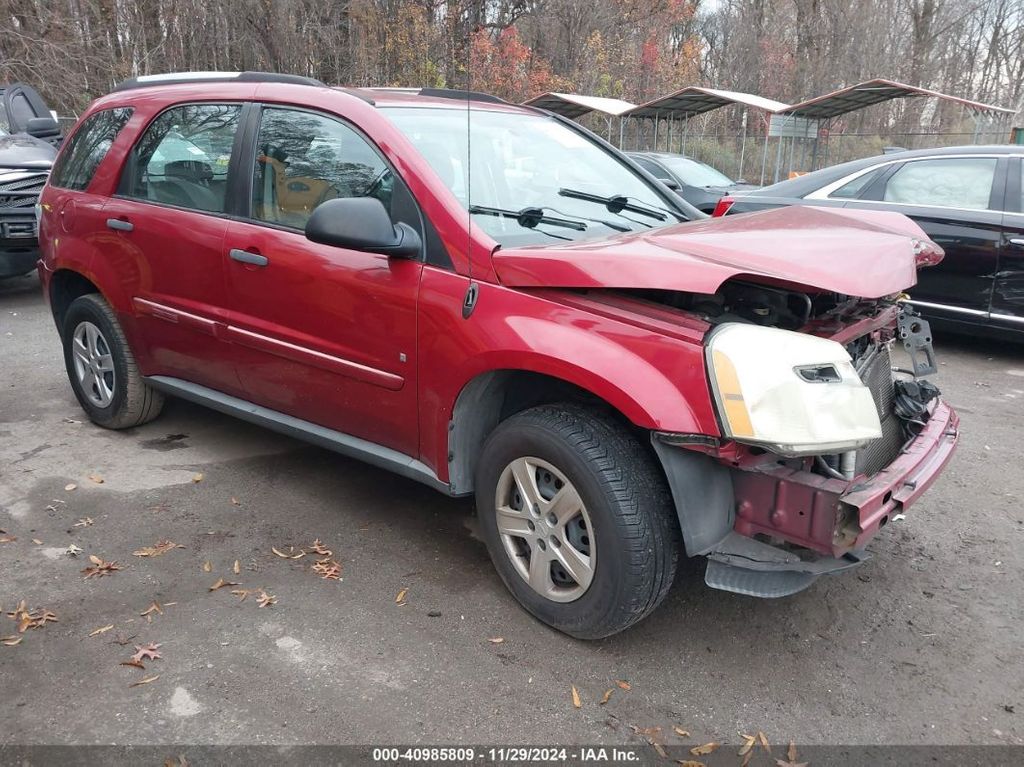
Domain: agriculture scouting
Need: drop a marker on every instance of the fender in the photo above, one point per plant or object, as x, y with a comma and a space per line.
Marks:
656, 381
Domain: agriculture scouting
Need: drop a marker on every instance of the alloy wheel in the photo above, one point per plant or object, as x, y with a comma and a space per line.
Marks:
94, 364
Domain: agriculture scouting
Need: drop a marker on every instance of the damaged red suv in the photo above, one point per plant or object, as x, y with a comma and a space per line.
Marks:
489, 299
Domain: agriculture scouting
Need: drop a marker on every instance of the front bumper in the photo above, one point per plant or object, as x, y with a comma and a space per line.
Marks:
18, 256
793, 525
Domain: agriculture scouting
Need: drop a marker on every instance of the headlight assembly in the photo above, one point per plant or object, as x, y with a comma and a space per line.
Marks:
791, 393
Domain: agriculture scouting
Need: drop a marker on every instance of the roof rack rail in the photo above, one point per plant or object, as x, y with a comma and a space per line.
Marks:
181, 78
461, 95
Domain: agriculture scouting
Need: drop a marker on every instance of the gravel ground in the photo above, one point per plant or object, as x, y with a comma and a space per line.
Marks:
922, 645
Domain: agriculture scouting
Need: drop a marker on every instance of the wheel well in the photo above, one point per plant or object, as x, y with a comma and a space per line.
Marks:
492, 397
65, 287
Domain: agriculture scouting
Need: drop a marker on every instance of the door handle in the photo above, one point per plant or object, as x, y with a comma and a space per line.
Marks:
1018, 241
245, 257
120, 224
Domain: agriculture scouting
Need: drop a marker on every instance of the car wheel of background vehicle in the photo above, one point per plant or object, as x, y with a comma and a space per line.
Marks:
101, 367
577, 518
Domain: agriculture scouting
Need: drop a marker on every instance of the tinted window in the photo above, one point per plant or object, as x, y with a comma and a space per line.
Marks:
653, 168
21, 110
182, 159
696, 173
852, 189
304, 159
964, 182
85, 150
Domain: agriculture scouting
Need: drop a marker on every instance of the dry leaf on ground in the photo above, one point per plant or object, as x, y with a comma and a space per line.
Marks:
221, 583
236, 568
265, 599
764, 741
83, 522
11, 641
607, 696
704, 750
147, 680
7, 539
623, 684
207, 567
748, 744
496, 640
153, 608
101, 630
161, 548
681, 732
149, 652
400, 599
73, 550
318, 548
70, 486
133, 663
291, 553
235, 501
96, 478
242, 594
100, 568
576, 702
197, 478
689, 763
328, 569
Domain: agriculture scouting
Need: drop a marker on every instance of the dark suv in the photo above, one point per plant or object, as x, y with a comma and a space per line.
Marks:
28, 143
540, 327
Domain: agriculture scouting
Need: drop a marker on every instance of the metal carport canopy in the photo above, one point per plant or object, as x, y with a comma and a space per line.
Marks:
694, 100
572, 105
871, 92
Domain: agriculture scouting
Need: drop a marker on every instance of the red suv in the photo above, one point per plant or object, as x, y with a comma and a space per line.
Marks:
491, 300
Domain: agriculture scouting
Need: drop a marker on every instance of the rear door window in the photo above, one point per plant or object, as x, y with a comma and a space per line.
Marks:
86, 149
852, 189
183, 157
954, 182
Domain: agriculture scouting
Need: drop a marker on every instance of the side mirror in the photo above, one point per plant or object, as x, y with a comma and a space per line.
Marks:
362, 223
42, 127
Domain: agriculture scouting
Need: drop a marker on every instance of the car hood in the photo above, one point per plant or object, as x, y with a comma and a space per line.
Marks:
869, 254
21, 149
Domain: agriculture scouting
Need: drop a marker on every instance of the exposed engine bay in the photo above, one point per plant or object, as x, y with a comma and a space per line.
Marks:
900, 394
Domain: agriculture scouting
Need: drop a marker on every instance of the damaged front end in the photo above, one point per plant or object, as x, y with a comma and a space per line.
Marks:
824, 440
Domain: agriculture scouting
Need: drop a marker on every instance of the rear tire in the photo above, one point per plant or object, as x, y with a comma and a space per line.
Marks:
577, 518
101, 368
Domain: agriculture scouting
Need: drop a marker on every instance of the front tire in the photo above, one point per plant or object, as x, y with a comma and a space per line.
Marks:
102, 370
577, 518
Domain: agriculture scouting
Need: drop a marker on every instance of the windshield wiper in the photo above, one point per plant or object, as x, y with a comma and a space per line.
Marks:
617, 203
528, 217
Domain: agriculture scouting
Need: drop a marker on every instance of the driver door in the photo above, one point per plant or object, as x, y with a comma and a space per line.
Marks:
326, 334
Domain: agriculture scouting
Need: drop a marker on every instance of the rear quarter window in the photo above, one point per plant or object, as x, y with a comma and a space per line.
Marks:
86, 149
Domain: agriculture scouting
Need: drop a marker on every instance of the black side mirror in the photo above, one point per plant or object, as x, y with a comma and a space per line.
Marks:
362, 223
42, 127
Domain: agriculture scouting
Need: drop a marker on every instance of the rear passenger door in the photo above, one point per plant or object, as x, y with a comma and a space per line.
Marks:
1008, 293
957, 201
166, 228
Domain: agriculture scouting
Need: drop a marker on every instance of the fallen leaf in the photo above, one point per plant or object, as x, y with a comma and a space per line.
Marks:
623, 684
237, 568
328, 569
8, 539
96, 478
791, 753
18, 610
320, 549
70, 486
153, 608
235, 501
496, 640
764, 741
576, 702
400, 599
83, 522
689, 763
221, 583
197, 478
681, 732
660, 749
265, 599
147, 680
133, 663
704, 750
149, 652
748, 744
101, 568
72, 550
158, 550
648, 732
207, 567
11, 641
291, 553
606, 697
101, 630
37, 542
242, 593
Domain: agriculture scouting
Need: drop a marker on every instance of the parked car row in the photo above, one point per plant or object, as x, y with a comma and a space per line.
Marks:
618, 379
969, 200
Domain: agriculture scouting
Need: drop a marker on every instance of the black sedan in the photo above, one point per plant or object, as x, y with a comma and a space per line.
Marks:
696, 182
968, 199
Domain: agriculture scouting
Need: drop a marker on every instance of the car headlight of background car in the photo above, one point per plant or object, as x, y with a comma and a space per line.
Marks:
791, 393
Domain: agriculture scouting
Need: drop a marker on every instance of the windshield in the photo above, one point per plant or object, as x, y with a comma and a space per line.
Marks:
531, 179
695, 173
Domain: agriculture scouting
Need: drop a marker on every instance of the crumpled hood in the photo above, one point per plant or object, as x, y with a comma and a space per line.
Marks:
22, 149
869, 254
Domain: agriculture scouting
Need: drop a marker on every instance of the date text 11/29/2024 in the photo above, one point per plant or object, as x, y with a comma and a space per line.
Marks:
505, 754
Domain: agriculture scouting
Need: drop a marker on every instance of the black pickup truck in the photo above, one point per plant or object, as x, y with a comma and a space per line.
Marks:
29, 137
